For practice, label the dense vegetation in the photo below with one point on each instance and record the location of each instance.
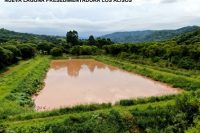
(6, 35)
(148, 35)
(171, 118)
(16, 46)
(166, 54)
(19, 84)
(172, 53)
(177, 78)
(175, 62)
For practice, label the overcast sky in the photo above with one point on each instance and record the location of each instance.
(98, 18)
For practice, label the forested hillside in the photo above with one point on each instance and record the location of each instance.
(182, 52)
(189, 38)
(148, 35)
(7, 35)
(16, 46)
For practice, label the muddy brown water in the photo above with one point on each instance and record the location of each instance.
(83, 81)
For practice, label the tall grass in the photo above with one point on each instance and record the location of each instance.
(153, 114)
(179, 81)
(20, 84)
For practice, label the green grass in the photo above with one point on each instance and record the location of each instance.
(18, 86)
(21, 81)
(170, 77)
(44, 121)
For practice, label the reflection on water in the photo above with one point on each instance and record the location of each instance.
(75, 65)
(82, 81)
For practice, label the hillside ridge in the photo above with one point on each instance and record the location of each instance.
(148, 35)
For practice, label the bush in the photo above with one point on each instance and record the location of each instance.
(130, 102)
(6, 57)
(75, 50)
(44, 47)
(27, 51)
(56, 51)
(16, 52)
(186, 63)
(88, 50)
(173, 118)
(123, 55)
(83, 50)
(95, 123)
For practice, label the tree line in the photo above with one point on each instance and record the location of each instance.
(167, 53)
(182, 52)
(21, 46)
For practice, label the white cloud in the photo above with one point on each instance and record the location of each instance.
(99, 18)
(168, 1)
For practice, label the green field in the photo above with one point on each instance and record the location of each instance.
(19, 83)
(25, 59)
(176, 113)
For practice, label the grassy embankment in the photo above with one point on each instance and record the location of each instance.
(18, 85)
(126, 116)
(187, 80)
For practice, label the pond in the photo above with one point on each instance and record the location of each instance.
(83, 81)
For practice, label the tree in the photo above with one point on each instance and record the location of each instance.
(66, 47)
(87, 50)
(44, 47)
(75, 50)
(91, 40)
(72, 37)
(56, 51)
(100, 42)
(27, 50)
(6, 57)
(16, 52)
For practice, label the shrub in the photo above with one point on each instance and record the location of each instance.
(94, 123)
(56, 51)
(75, 50)
(16, 52)
(171, 118)
(130, 102)
(88, 50)
(6, 57)
(83, 50)
(44, 47)
(123, 55)
(27, 51)
(186, 63)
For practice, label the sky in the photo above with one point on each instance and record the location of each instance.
(98, 18)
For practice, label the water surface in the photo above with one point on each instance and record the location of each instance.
(83, 81)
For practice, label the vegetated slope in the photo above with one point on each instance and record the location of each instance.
(19, 84)
(15, 46)
(189, 38)
(153, 115)
(7, 35)
(156, 114)
(182, 51)
(148, 35)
